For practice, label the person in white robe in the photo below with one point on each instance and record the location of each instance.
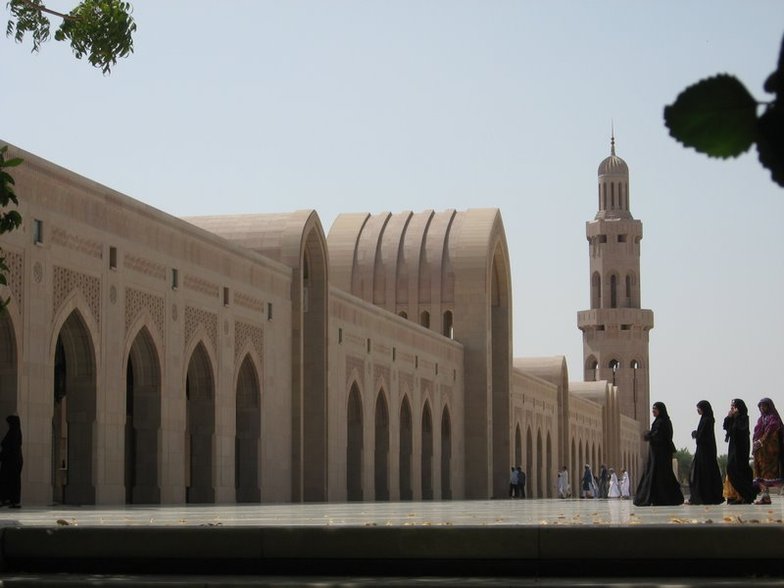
(624, 483)
(563, 483)
(614, 490)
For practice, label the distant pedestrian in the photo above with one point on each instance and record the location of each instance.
(604, 481)
(11, 464)
(520, 483)
(624, 483)
(658, 485)
(705, 485)
(564, 490)
(766, 447)
(514, 482)
(614, 488)
(738, 486)
(587, 484)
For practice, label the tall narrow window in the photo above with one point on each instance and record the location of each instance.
(424, 319)
(613, 291)
(175, 278)
(112, 257)
(448, 328)
(38, 231)
(225, 296)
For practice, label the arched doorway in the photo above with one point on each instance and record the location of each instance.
(427, 453)
(529, 461)
(381, 454)
(200, 427)
(446, 455)
(142, 421)
(406, 450)
(8, 367)
(549, 474)
(248, 434)
(518, 458)
(354, 445)
(539, 462)
(73, 418)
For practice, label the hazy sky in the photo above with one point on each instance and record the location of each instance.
(345, 106)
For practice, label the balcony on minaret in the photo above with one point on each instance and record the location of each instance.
(615, 319)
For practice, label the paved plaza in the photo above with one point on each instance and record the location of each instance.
(491, 513)
(494, 542)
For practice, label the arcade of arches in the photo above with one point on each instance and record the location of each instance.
(253, 358)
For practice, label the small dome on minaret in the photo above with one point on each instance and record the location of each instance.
(613, 186)
(613, 165)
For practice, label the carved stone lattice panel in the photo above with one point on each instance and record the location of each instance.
(145, 266)
(15, 263)
(406, 385)
(381, 377)
(200, 285)
(137, 301)
(195, 318)
(66, 281)
(354, 363)
(243, 332)
(81, 244)
(248, 302)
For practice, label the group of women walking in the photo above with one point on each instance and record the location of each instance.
(659, 486)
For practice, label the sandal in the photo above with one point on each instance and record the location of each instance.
(762, 500)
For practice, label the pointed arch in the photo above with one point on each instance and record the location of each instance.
(446, 455)
(549, 473)
(8, 364)
(142, 419)
(529, 461)
(381, 453)
(354, 444)
(427, 452)
(518, 444)
(406, 450)
(596, 290)
(539, 464)
(591, 373)
(73, 422)
(247, 438)
(200, 426)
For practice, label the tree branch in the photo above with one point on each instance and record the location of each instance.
(42, 8)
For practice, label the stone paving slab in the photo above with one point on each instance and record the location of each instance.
(510, 538)
(495, 513)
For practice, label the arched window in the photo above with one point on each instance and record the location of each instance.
(613, 291)
(448, 328)
(424, 319)
(596, 290)
(628, 290)
(614, 366)
(403, 314)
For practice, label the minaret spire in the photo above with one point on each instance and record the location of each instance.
(612, 138)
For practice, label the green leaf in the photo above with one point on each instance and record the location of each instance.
(717, 116)
(12, 162)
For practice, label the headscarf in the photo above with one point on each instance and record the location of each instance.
(662, 410)
(706, 408)
(767, 422)
(741, 406)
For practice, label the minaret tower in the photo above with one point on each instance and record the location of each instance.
(615, 329)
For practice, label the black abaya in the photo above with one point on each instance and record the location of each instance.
(11, 463)
(658, 485)
(738, 468)
(705, 484)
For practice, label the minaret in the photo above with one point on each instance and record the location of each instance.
(615, 329)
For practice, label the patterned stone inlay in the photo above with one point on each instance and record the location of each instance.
(243, 332)
(248, 302)
(201, 285)
(196, 317)
(67, 280)
(145, 266)
(81, 244)
(354, 363)
(15, 263)
(137, 301)
(381, 377)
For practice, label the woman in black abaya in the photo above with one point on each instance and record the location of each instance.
(704, 476)
(738, 486)
(658, 485)
(11, 464)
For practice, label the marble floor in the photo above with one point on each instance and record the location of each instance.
(431, 513)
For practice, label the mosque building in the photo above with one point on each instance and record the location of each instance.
(255, 358)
